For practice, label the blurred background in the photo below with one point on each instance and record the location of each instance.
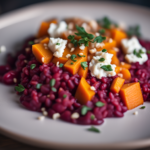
(9, 5)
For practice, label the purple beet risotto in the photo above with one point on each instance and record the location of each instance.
(48, 78)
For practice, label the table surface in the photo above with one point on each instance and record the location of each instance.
(9, 144)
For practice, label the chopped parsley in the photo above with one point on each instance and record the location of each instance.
(148, 51)
(107, 67)
(99, 104)
(102, 31)
(38, 86)
(30, 42)
(84, 110)
(54, 89)
(93, 129)
(33, 66)
(143, 107)
(52, 82)
(105, 22)
(57, 43)
(85, 37)
(64, 96)
(73, 57)
(19, 88)
(101, 59)
(84, 65)
(138, 54)
(104, 50)
(134, 31)
(61, 65)
(92, 117)
(81, 55)
(71, 63)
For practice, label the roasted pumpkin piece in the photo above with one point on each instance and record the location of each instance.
(83, 72)
(118, 35)
(43, 55)
(126, 74)
(44, 27)
(117, 84)
(84, 93)
(125, 65)
(73, 66)
(45, 41)
(115, 60)
(131, 94)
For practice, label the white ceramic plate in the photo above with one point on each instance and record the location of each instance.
(20, 124)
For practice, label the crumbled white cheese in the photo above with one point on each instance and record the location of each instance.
(68, 56)
(92, 51)
(135, 113)
(41, 118)
(72, 49)
(45, 113)
(82, 47)
(110, 40)
(120, 75)
(129, 45)
(93, 24)
(97, 34)
(57, 50)
(92, 88)
(100, 45)
(95, 65)
(70, 45)
(116, 49)
(43, 109)
(2, 48)
(56, 116)
(42, 59)
(55, 30)
(75, 115)
(131, 58)
(57, 64)
(15, 80)
(70, 26)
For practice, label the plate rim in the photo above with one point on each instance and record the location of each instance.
(46, 144)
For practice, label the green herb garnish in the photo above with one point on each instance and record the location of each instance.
(93, 129)
(61, 65)
(107, 67)
(19, 88)
(38, 86)
(64, 96)
(71, 63)
(148, 51)
(72, 40)
(134, 31)
(104, 50)
(138, 54)
(92, 117)
(73, 57)
(106, 23)
(102, 31)
(30, 42)
(143, 107)
(99, 104)
(84, 110)
(52, 82)
(139, 81)
(84, 65)
(85, 37)
(57, 43)
(81, 55)
(33, 66)
(54, 89)
(101, 59)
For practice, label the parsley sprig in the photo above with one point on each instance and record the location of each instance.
(134, 31)
(84, 65)
(106, 23)
(107, 67)
(85, 37)
(19, 88)
(73, 57)
(138, 54)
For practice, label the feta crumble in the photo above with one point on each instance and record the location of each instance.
(41, 118)
(92, 51)
(82, 47)
(129, 45)
(55, 30)
(56, 116)
(131, 58)
(95, 65)
(2, 49)
(57, 50)
(135, 113)
(92, 88)
(75, 115)
(100, 45)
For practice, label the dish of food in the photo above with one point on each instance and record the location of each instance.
(75, 72)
